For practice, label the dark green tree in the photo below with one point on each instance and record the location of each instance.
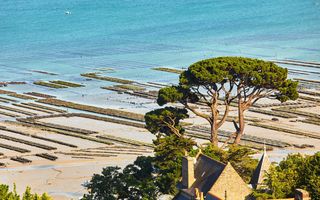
(227, 79)
(170, 145)
(135, 182)
(203, 83)
(310, 175)
(284, 178)
(166, 121)
(138, 180)
(168, 158)
(105, 186)
(296, 171)
(253, 80)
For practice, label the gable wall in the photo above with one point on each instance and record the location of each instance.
(229, 185)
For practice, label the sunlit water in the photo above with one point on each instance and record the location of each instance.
(71, 37)
(76, 36)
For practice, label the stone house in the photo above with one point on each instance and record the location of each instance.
(206, 178)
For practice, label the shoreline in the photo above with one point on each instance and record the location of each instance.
(106, 127)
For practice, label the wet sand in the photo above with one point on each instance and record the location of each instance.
(64, 177)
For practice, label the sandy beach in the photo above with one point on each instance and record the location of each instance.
(100, 142)
(64, 177)
(82, 134)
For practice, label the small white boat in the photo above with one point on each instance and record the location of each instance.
(67, 12)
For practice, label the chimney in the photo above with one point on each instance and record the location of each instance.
(187, 171)
(301, 195)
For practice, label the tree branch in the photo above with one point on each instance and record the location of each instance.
(225, 115)
(173, 129)
(228, 140)
(205, 116)
(202, 95)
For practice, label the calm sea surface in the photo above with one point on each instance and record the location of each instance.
(70, 37)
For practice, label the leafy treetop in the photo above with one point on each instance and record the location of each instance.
(226, 79)
(296, 171)
(166, 121)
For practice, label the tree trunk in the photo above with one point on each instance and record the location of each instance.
(241, 124)
(214, 134)
(214, 120)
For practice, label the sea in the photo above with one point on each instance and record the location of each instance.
(70, 37)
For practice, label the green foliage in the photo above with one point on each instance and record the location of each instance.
(250, 73)
(147, 177)
(261, 195)
(310, 175)
(174, 94)
(104, 186)
(169, 95)
(136, 182)
(165, 120)
(27, 194)
(288, 91)
(284, 179)
(207, 73)
(258, 74)
(215, 152)
(45, 196)
(296, 171)
(255, 72)
(216, 78)
(5, 194)
(168, 158)
(239, 157)
(170, 148)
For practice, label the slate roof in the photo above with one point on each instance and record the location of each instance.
(214, 178)
(207, 172)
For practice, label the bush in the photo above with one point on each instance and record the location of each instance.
(134, 183)
(6, 194)
(296, 171)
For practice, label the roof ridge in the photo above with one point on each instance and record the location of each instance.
(212, 159)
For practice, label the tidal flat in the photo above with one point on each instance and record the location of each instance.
(59, 137)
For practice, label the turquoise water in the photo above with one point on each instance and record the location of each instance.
(134, 36)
